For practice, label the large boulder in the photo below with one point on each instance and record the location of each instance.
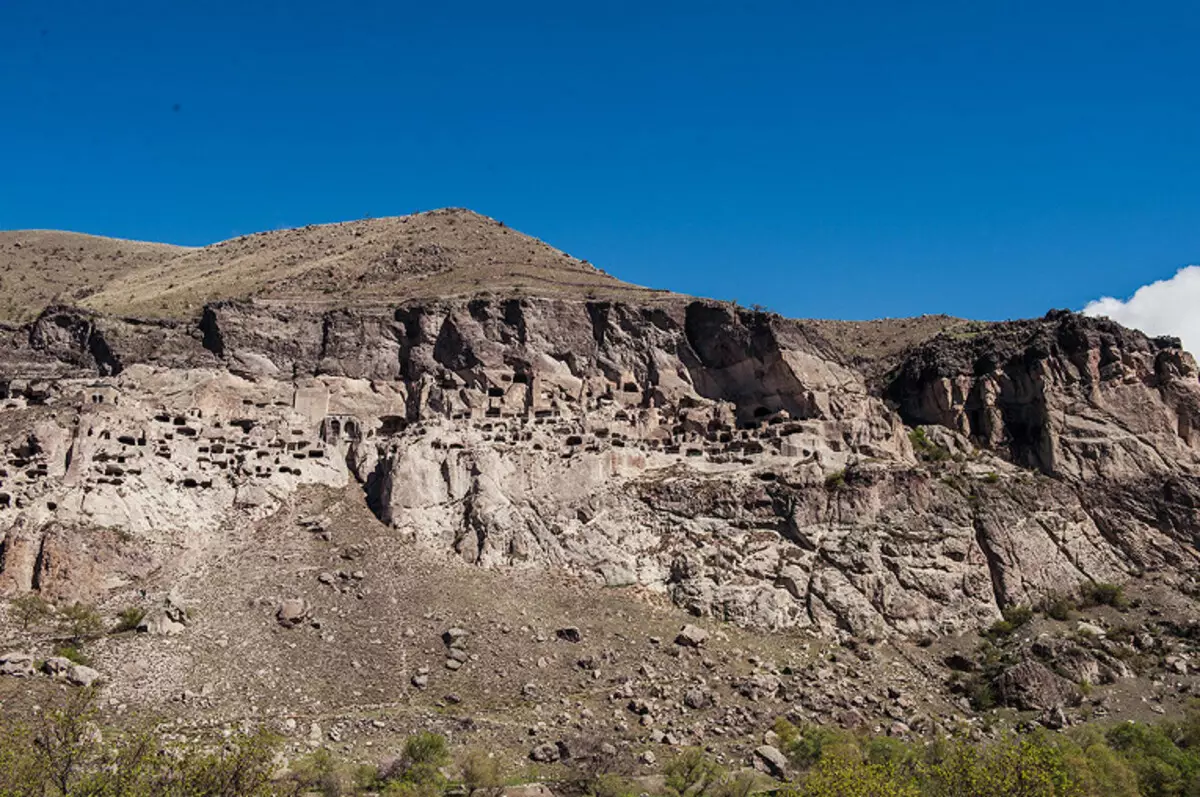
(1031, 686)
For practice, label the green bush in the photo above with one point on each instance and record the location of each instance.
(481, 774)
(835, 480)
(30, 610)
(1104, 594)
(418, 771)
(320, 773)
(925, 448)
(73, 653)
(610, 785)
(1059, 607)
(129, 619)
(65, 755)
(1014, 618)
(80, 622)
(692, 773)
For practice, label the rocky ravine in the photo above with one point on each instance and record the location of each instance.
(724, 457)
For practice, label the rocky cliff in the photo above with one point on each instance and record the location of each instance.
(737, 462)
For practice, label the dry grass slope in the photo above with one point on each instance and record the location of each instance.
(430, 255)
(42, 267)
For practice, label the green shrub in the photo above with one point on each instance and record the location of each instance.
(1104, 594)
(321, 773)
(835, 480)
(1059, 607)
(73, 653)
(129, 619)
(692, 773)
(1014, 618)
(418, 770)
(80, 622)
(610, 784)
(30, 610)
(925, 448)
(481, 774)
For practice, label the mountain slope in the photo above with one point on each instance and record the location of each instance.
(43, 267)
(387, 429)
(440, 253)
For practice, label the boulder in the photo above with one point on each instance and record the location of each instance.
(771, 760)
(81, 675)
(293, 612)
(160, 622)
(16, 664)
(544, 754)
(57, 665)
(1031, 686)
(691, 636)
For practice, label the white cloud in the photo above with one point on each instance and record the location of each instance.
(1166, 307)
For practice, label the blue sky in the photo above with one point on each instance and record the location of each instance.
(852, 159)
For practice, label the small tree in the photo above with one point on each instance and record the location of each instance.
(692, 773)
(481, 775)
(30, 610)
(418, 770)
(80, 622)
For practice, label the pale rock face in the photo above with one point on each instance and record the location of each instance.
(727, 459)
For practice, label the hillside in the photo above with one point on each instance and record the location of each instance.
(436, 254)
(439, 475)
(42, 267)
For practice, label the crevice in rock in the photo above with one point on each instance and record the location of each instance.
(107, 362)
(39, 564)
(992, 560)
(373, 488)
(598, 313)
(211, 333)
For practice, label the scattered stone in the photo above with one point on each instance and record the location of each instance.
(773, 762)
(57, 665)
(80, 675)
(293, 612)
(455, 637)
(569, 634)
(544, 753)
(16, 664)
(697, 698)
(691, 636)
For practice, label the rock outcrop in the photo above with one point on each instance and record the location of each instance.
(729, 459)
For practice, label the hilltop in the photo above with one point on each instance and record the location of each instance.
(435, 254)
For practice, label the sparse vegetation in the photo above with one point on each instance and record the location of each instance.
(1059, 607)
(1014, 618)
(926, 449)
(481, 774)
(1103, 594)
(73, 653)
(80, 622)
(31, 611)
(66, 752)
(129, 619)
(836, 480)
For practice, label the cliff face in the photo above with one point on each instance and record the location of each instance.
(730, 460)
